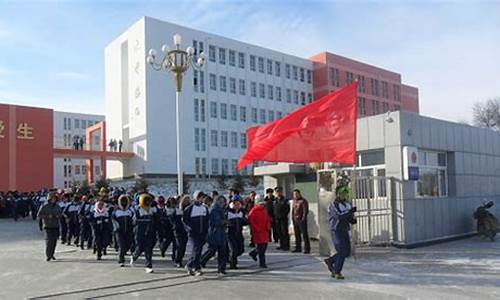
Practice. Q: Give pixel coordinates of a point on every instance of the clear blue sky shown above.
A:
(51, 53)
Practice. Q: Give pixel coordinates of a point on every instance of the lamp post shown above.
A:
(177, 62)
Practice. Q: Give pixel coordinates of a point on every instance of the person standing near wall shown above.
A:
(269, 200)
(300, 211)
(260, 224)
(341, 215)
(281, 215)
(49, 215)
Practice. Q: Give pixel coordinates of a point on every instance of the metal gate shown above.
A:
(374, 210)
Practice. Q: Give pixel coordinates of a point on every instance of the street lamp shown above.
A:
(177, 62)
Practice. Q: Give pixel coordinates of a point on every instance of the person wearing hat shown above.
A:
(196, 220)
(236, 220)
(341, 215)
(217, 236)
(281, 216)
(49, 215)
(146, 223)
(123, 227)
(260, 224)
(102, 227)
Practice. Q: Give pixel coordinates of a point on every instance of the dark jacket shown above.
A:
(49, 214)
(177, 223)
(269, 199)
(281, 208)
(146, 223)
(300, 210)
(165, 227)
(101, 222)
(196, 219)
(217, 226)
(123, 221)
(236, 221)
(339, 215)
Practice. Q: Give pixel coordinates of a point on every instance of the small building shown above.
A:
(418, 179)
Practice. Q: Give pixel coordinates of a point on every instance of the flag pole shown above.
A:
(353, 226)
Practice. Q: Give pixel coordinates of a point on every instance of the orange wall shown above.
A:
(28, 163)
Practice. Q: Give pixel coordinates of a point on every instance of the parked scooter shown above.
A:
(487, 223)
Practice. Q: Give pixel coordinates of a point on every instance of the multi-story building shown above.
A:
(241, 85)
(379, 90)
(67, 126)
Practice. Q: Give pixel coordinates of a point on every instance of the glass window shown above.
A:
(196, 110)
(295, 72)
(241, 60)
(223, 138)
(234, 140)
(253, 89)
(254, 115)
(203, 132)
(278, 93)
(242, 87)
(302, 98)
(223, 111)
(262, 90)
(213, 82)
(243, 114)
(302, 75)
(202, 110)
(270, 115)
(225, 166)
(261, 64)
(215, 166)
(211, 53)
(214, 136)
(222, 56)
(296, 97)
(288, 96)
(77, 123)
(222, 83)
(433, 177)
(234, 162)
(309, 76)
(197, 139)
(277, 68)
(262, 116)
(213, 109)
(252, 62)
(270, 92)
(243, 140)
(372, 158)
(232, 58)
(233, 112)
(287, 71)
(232, 85)
(197, 165)
(269, 67)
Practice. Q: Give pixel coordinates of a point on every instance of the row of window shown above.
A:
(79, 170)
(77, 123)
(237, 140)
(376, 106)
(256, 115)
(375, 87)
(268, 66)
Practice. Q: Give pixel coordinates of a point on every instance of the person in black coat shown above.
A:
(84, 214)
(123, 226)
(195, 218)
(146, 222)
(102, 227)
(281, 216)
(165, 227)
(72, 220)
(236, 220)
(269, 200)
(180, 233)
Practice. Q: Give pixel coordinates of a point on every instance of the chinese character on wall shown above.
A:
(24, 132)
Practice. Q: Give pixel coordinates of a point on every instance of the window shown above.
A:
(234, 112)
(270, 115)
(288, 96)
(361, 106)
(243, 114)
(203, 166)
(397, 92)
(84, 124)
(241, 87)
(215, 166)
(234, 140)
(270, 92)
(202, 82)
(254, 115)
(253, 89)
(232, 58)
(277, 68)
(203, 139)
(433, 177)
(385, 107)
(361, 84)
(202, 110)
(334, 77)
(243, 140)
(374, 86)
(195, 80)
(252, 62)
(84, 169)
(197, 139)
(234, 162)
(262, 90)
(69, 124)
(269, 67)
(211, 53)
(262, 116)
(309, 76)
(214, 137)
(225, 166)
(77, 123)
(295, 72)
(223, 111)
(222, 56)
(197, 166)
(213, 109)
(278, 93)
(213, 82)
(349, 77)
(261, 64)
(241, 60)
(375, 107)
(279, 115)
(296, 97)
(287, 71)
(223, 138)
(302, 98)
(302, 75)
(232, 85)
(309, 97)
(196, 110)
(385, 90)
(222, 83)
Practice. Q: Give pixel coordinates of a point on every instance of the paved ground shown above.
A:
(463, 269)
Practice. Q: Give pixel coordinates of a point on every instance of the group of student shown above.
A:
(15, 204)
(136, 222)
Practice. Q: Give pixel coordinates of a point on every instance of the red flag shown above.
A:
(323, 131)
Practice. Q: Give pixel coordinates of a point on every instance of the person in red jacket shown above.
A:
(260, 223)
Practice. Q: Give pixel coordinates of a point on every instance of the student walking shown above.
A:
(261, 225)
(49, 215)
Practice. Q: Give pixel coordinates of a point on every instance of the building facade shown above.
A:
(68, 126)
(379, 90)
(240, 86)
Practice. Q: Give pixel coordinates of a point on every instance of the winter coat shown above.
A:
(49, 214)
(300, 210)
(196, 220)
(123, 221)
(260, 223)
(145, 225)
(339, 214)
(101, 222)
(217, 226)
(177, 223)
(269, 199)
(236, 222)
(165, 228)
(281, 208)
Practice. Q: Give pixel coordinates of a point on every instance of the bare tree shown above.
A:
(487, 114)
